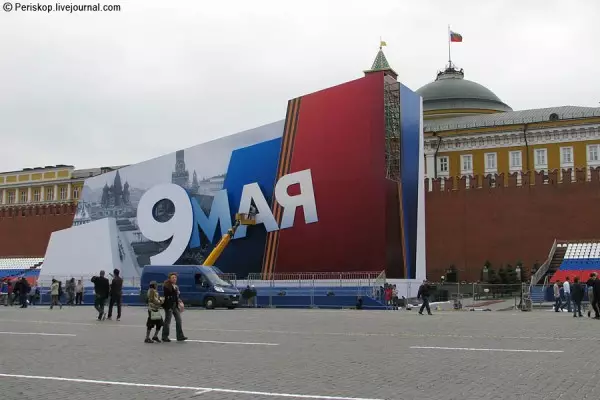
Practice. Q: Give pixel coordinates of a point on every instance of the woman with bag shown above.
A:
(155, 319)
(173, 308)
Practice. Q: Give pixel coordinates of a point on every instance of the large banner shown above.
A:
(316, 179)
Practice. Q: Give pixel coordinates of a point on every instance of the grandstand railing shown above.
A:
(535, 278)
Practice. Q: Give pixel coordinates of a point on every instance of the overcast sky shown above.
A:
(96, 89)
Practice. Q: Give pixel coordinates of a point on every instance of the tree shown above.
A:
(502, 275)
(492, 276)
(511, 275)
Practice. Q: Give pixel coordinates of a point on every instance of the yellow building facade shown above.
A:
(54, 184)
(44, 185)
(469, 131)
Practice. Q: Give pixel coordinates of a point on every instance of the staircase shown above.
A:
(556, 261)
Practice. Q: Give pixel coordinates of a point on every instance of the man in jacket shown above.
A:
(24, 290)
(596, 291)
(590, 292)
(577, 295)
(101, 289)
(424, 292)
(116, 294)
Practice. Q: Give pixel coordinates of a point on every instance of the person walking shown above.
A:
(116, 294)
(155, 319)
(24, 290)
(172, 306)
(4, 292)
(70, 289)
(79, 293)
(567, 292)
(590, 292)
(558, 306)
(596, 289)
(101, 290)
(54, 291)
(424, 293)
(577, 294)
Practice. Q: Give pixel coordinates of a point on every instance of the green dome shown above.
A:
(451, 91)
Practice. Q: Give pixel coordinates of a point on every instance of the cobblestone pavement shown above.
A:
(275, 354)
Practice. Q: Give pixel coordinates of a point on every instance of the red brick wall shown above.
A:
(26, 231)
(506, 223)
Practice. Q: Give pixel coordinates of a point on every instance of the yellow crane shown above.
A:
(240, 219)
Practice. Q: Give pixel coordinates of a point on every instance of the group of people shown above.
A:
(105, 290)
(572, 295)
(18, 292)
(73, 290)
(170, 304)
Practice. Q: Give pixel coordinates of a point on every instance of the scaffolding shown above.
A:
(392, 130)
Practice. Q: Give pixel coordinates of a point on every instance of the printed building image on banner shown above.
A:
(317, 178)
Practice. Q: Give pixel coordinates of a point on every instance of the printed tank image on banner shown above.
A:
(336, 186)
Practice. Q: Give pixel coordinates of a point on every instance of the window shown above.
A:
(36, 194)
(11, 197)
(490, 162)
(49, 194)
(541, 158)
(566, 156)
(23, 196)
(466, 162)
(516, 160)
(593, 154)
(76, 193)
(443, 165)
(63, 193)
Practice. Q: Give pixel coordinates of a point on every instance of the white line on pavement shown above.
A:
(195, 389)
(308, 333)
(219, 342)
(37, 333)
(473, 349)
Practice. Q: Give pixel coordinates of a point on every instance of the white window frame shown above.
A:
(539, 165)
(593, 160)
(440, 162)
(23, 196)
(491, 169)
(76, 192)
(63, 193)
(36, 194)
(49, 194)
(518, 166)
(463, 158)
(564, 163)
(10, 197)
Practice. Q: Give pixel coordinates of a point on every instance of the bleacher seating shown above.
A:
(20, 266)
(581, 259)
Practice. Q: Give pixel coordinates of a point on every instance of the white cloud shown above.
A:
(94, 89)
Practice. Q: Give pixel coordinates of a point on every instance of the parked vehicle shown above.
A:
(199, 285)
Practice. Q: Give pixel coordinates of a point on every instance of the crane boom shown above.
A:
(240, 219)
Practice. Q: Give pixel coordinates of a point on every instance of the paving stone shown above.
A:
(355, 354)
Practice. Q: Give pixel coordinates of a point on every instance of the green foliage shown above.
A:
(511, 275)
(502, 275)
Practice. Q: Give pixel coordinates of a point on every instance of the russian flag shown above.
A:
(455, 37)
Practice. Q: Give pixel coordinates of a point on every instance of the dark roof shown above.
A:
(511, 118)
(451, 91)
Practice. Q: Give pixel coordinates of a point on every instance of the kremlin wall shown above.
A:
(500, 185)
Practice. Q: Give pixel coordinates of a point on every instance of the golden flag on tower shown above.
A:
(382, 43)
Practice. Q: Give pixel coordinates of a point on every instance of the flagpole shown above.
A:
(449, 54)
